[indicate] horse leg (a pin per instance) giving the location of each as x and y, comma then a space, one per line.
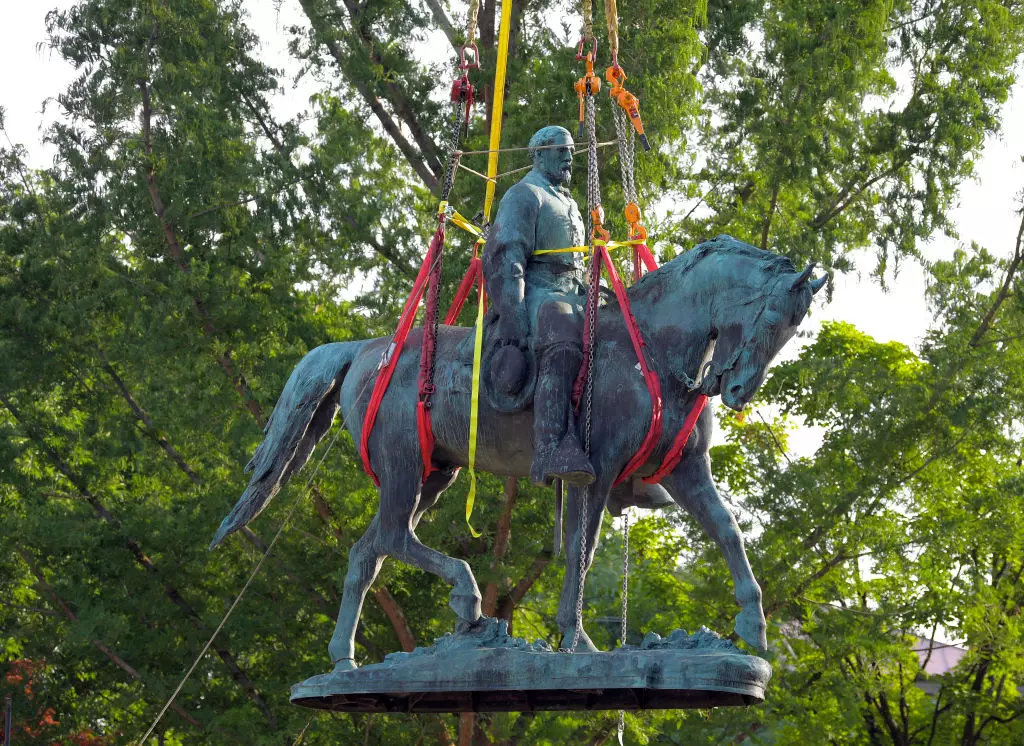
692, 488
402, 505
435, 484
364, 561
593, 512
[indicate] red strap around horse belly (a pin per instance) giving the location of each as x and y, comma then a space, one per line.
675, 453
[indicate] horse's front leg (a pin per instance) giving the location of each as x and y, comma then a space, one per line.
589, 504
692, 488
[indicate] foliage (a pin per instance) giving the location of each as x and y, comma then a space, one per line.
161, 279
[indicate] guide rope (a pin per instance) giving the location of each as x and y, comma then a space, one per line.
521, 168
252, 576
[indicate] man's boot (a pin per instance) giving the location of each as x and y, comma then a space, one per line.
557, 452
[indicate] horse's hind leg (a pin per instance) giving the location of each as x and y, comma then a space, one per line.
364, 561
400, 508
692, 488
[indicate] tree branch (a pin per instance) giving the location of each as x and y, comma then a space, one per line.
395, 96
767, 222
1004, 290
839, 558
148, 427
441, 19
179, 258
404, 269
510, 601
111, 655
847, 197
501, 540
415, 159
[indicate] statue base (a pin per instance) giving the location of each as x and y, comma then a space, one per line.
486, 670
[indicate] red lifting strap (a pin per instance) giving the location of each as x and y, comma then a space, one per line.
465, 287
387, 368
675, 452
650, 377
642, 254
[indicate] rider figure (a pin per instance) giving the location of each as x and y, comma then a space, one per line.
540, 298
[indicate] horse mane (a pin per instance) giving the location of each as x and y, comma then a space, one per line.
673, 270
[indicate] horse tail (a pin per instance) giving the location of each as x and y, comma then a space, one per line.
302, 416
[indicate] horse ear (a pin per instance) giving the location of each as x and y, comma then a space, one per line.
802, 277
818, 283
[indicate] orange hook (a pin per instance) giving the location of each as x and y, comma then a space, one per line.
598, 233
588, 84
633, 217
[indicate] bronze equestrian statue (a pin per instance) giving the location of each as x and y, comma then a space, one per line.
724, 296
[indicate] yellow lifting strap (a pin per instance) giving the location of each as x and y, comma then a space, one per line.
492, 172
462, 222
586, 249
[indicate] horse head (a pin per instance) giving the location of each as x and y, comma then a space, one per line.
759, 303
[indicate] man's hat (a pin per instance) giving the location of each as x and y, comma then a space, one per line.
509, 376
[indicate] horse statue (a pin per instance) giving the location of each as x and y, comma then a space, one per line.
745, 302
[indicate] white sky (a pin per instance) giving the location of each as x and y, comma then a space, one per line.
985, 213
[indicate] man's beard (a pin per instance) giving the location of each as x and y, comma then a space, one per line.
564, 176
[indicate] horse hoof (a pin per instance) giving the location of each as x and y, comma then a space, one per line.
752, 628
344, 665
583, 645
462, 627
466, 606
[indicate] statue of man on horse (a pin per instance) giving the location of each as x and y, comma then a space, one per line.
539, 299
760, 300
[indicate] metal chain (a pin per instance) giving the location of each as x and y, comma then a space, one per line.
593, 182
593, 199
446, 189
625, 576
453, 147
627, 154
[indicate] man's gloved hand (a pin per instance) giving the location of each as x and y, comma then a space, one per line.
509, 364
513, 328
